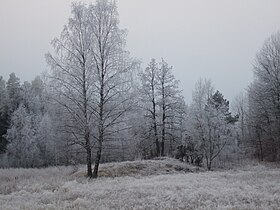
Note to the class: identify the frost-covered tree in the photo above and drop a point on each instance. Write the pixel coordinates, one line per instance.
(240, 107)
(169, 100)
(211, 124)
(11, 97)
(22, 149)
(264, 100)
(14, 92)
(23, 132)
(176, 125)
(72, 77)
(163, 109)
(112, 71)
(4, 114)
(149, 100)
(91, 71)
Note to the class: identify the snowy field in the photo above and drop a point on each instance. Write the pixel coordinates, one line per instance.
(156, 184)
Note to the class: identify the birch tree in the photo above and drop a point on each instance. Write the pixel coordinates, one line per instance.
(91, 71)
(112, 74)
(72, 78)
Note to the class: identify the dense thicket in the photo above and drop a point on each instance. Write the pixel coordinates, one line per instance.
(264, 102)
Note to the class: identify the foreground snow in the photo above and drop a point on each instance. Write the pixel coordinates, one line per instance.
(255, 187)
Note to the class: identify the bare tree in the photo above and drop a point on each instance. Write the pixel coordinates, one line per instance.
(168, 98)
(92, 74)
(175, 124)
(264, 98)
(149, 97)
(112, 73)
(163, 109)
(73, 78)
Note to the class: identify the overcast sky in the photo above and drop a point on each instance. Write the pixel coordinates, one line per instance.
(216, 39)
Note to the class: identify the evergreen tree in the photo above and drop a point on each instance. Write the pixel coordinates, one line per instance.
(4, 115)
(14, 92)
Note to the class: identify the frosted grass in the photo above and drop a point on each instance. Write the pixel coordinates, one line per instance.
(252, 187)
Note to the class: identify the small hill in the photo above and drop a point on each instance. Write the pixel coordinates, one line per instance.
(158, 166)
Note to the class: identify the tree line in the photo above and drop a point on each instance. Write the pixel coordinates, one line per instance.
(98, 105)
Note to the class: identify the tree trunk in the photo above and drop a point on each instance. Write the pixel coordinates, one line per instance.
(261, 150)
(260, 147)
(87, 132)
(154, 117)
(88, 148)
(97, 160)
(157, 147)
(155, 130)
(163, 134)
(163, 121)
(99, 149)
(162, 148)
(209, 164)
(100, 126)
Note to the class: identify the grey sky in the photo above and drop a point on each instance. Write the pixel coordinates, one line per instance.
(217, 39)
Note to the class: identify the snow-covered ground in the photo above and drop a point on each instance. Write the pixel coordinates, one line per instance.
(154, 184)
